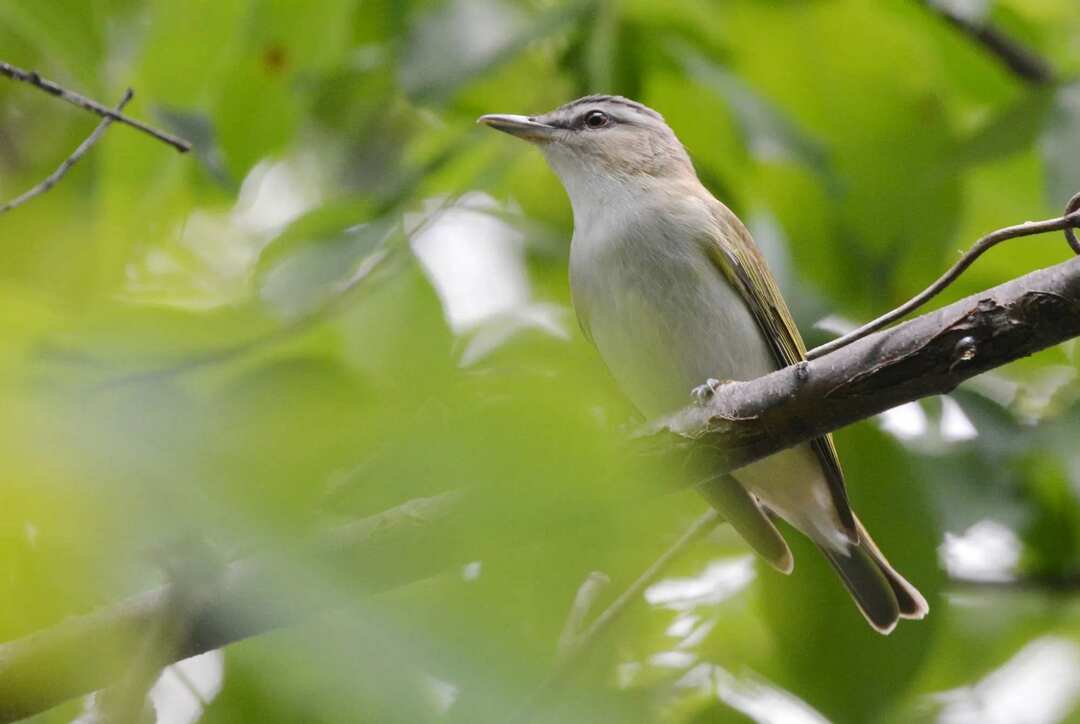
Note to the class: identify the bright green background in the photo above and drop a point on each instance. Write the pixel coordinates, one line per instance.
(178, 363)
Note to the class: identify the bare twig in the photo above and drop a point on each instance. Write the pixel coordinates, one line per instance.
(1063, 223)
(31, 77)
(574, 653)
(1021, 60)
(70, 161)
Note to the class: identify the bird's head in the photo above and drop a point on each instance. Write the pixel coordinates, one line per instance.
(608, 137)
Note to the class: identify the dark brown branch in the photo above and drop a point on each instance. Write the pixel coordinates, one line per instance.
(70, 161)
(744, 421)
(29, 76)
(929, 355)
(1020, 60)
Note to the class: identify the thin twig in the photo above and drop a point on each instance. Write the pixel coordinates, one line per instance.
(1030, 228)
(31, 77)
(70, 161)
(573, 654)
(1021, 60)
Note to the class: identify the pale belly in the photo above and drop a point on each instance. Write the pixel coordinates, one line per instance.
(665, 326)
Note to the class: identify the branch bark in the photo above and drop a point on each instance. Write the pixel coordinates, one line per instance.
(68, 162)
(89, 104)
(745, 421)
(929, 355)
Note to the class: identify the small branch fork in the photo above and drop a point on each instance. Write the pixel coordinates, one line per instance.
(68, 162)
(108, 116)
(77, 99)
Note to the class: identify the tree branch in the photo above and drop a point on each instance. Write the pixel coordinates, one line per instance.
(70, 161)
(1066, 223)
(745, 421)
(77, 99)
(929, 355)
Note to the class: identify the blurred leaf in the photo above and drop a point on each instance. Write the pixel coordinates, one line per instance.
(826, 653)
(1060, 146)
(1010, 131)
(467, 38)
(767, 132)
(320, 254)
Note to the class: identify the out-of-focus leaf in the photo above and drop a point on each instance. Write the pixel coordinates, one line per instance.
(826, 652)
(1010, 131)
(768, 133)
(65, 32)
(1061, 146)
(1052, 536)
(318, 256)
(465, 39)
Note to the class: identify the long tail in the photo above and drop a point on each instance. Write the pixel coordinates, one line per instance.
(882, 595)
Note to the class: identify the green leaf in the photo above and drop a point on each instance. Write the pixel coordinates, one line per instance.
(1060, 146)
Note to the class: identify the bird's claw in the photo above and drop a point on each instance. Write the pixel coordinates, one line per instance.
(703, 393)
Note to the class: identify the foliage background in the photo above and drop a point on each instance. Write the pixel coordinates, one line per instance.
(186, 369)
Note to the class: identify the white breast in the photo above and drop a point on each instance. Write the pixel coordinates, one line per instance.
(663, 317)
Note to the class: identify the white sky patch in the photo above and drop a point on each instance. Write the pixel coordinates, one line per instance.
(275, 193)
(987, 551)
(719, 581)
(443, 692)
(682, 625)
(227, 244)
(475, 260)
(757, 699)
(673, 659)
(1039, 685)
(908, 421)
(835, 324)
(471, 571)
(185, 687)
(955, 425)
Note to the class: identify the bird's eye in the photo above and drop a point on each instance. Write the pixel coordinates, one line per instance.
(597, 119)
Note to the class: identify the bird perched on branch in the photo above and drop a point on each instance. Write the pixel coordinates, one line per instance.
(672, 290)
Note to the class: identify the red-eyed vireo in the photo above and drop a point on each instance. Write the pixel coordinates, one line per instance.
(669, 285)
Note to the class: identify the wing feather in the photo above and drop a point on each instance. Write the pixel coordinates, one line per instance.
(744, 267)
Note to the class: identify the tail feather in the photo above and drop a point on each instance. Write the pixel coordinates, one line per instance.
(868, 585)
(749, 520)
(912, 604)
(882, 595)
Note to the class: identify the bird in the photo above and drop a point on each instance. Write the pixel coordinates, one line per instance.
(670, 287)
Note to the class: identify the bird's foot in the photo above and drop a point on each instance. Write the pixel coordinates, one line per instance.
(703, 393)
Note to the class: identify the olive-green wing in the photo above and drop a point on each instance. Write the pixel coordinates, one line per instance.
(744, 267)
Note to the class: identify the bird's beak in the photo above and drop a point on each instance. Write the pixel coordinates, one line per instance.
(521, 126)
